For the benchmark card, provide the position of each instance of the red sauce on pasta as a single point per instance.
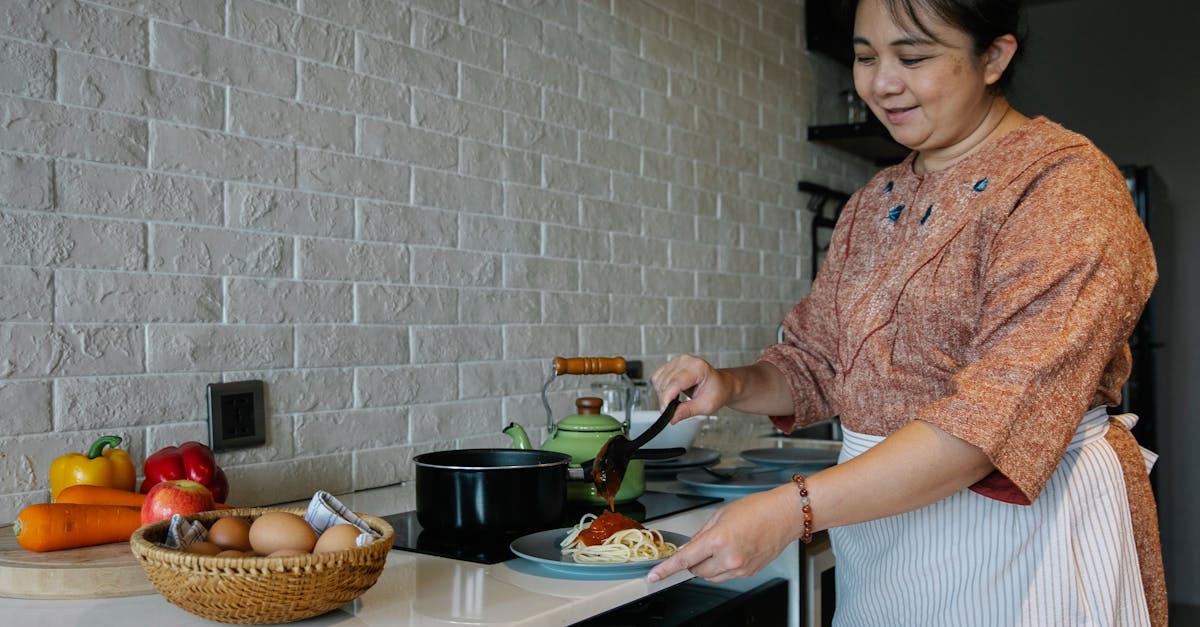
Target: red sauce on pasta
(605, 525)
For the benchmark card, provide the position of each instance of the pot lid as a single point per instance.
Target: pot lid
(589, 417)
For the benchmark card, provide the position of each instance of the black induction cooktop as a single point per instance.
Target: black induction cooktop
(410, 536)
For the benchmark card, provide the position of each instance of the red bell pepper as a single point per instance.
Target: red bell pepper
(190, 460)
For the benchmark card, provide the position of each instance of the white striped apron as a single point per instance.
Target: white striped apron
(968, 560)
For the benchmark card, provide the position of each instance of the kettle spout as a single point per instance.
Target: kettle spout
(519, 437)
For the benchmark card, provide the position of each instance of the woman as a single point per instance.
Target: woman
(969, 326)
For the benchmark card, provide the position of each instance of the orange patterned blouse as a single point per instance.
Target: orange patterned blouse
(993, 299)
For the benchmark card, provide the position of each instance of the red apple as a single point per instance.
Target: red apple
(178, 496)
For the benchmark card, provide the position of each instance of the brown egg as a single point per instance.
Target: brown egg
(287, 553)
(230, 532)
(231, 553)
(336, 538)
(274, 531)
(203, 548)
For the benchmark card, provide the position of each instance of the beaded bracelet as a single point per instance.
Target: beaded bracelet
(798, 479)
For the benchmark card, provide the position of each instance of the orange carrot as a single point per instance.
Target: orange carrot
(98, 495)
(54, 526)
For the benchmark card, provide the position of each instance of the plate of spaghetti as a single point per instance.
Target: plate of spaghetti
(610, 545)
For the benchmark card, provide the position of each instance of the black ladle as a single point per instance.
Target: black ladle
(613, 458)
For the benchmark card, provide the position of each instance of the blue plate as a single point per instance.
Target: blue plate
(744, 480)
(791, 456)
(542, 549)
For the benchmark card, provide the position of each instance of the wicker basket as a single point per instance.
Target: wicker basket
(259, 590)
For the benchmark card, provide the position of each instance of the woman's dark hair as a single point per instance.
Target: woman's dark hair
(982, 20)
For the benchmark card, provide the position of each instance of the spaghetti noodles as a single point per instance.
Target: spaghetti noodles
(612, 538)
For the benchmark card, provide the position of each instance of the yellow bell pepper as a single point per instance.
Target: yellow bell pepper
(109, 468)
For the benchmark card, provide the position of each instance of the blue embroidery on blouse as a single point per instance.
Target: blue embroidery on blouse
(887, 188)
(928, 211)
(894, 212)
(981, 184)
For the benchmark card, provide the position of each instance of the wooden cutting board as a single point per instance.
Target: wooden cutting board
(92, 572)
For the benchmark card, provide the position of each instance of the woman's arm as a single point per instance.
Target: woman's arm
(755, 389)
(917, 465)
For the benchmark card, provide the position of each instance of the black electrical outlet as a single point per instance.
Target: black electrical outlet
(236, 415)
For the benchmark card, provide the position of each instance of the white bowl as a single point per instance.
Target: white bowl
(680, 434)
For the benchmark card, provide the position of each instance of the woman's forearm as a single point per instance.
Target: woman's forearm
(916, 466)
(759, 388)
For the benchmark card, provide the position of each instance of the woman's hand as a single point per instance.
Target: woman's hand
(713, 389)
(740, 539)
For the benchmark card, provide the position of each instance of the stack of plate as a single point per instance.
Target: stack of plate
(773, 466)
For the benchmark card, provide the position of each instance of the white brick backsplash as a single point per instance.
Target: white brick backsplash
(26, 69)
(294, 391)
(393, 212)
(348, 345)
(26, 406)
(497, 379)
(400, 142)
(114, 402)
(54, 130)
(27, 295)
(346, 260)
(220, 60)
(77, 26)
(539, 341)
(42, 350)
(112, 86)
(541, 274)
(497, 90)
(185, 150)
(213, 251)
(495, 162)
(123, 193)
(482, 306)
(89, 296)
(499, 235)
(48, 240)
(206, 15)
(540, 69)
(452, 40)
(457, 118)
(447, 421)
(404, 64)
(460, 193)
(350, 430)
(26, 183)
(447, 344)
(541, 205)
(342, 89)
(282, 120)
(285, 211)
(610, 278)
(405, 304)
(452, 267)
(405, 385)
(215, 348)
(382, 17)
(321, 171)
(268, 301)
(284, 30)
(639, 309)
(411, 225)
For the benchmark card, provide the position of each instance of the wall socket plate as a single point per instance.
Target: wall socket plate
(237, 415)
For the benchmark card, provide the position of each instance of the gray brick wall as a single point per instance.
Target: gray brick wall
(393, 212)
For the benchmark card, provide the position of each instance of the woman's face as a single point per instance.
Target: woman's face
(930, 93)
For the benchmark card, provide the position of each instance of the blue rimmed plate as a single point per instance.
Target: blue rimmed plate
(542, 548)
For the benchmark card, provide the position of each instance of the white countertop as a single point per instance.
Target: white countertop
(420, 590)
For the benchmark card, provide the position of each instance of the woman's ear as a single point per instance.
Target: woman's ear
(997, 57)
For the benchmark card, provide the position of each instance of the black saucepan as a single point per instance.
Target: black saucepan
(491, 491)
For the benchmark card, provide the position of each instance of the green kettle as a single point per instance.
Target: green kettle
(581, 437)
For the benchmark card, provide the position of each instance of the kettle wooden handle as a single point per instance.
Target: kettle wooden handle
(589, 365)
